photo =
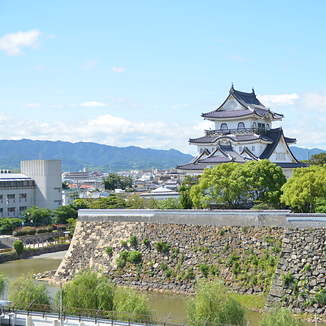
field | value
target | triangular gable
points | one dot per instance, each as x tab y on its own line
246	153
282	152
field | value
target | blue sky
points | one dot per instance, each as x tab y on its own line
141	72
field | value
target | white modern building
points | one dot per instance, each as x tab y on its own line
242	132
160	193
39	184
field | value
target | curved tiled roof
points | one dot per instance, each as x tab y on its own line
250	104
235	138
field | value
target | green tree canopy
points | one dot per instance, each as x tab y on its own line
87	290
235	185
185	198
63	213
25	292
213	305
115	181
317	159
38	216
112	201
305	188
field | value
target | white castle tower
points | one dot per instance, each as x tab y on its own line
243	131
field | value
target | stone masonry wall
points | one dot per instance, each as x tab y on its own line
248	259
300	279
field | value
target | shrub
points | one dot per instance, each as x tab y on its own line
109	251
280	317
214	270
2	284
133	241
7	225
189	274
132	305
121	263
213	305
26	230
24	292
19	247
320	297
87	290
287	279
204	269
146	242
162	247
134	257
124	244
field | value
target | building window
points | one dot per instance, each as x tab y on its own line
22	208
22	197
1	212
11	211
254	125
224	126
11	196
267	126
241	125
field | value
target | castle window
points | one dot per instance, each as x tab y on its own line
254	125
241	125
224	126
267	126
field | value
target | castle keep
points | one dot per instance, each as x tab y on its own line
243	131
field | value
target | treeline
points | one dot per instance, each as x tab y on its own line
91	294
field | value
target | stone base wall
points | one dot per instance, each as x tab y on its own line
301	273
249	259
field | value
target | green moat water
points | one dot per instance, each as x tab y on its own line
170	308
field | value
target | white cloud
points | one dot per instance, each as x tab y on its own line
12	44
33	105
118	69
279	99
93	104
315	100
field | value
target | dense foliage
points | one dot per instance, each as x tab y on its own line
317	159
7	225
87	291
25	292
234	185
115	181
63	213
2	284
38	216
281	317
19	247
185	198
305	189
213	305
90	291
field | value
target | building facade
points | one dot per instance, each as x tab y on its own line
242	132
39	184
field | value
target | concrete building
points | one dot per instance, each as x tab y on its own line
39	184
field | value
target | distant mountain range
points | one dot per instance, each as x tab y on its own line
305	153
76	156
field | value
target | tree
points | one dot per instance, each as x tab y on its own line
305	188
24	293
235	185
80	204
87	290
115	181
213	305
317	159
19	247
112	201
281	317
63	213
185	198
71	225
135	201
131	305
7	225
219	185
264	180
38	216
2	284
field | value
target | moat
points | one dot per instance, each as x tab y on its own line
170	308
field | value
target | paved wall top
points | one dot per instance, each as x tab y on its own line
278	218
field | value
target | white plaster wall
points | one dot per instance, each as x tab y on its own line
231	104
281	153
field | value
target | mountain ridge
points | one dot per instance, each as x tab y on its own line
76	156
